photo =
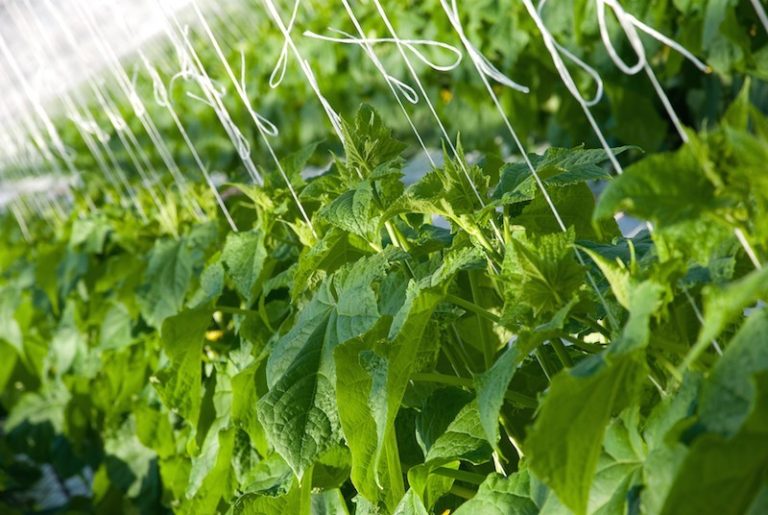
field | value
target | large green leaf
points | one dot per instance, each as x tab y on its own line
563	447
499	495
299	412
729	391
169	274
725	474
179	383
244	254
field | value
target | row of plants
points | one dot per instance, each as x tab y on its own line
414	349
408	347
724	33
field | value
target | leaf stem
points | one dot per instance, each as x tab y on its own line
562	353
460	491
592	348
462	475
236	311
436	377
593	325
489	349
305	501
516	398
544	364
397	486
472	307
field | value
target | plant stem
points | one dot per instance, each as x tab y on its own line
397	487
462	475
592	348
435	377
593	325
562	353
489	349
305	501
516	398
472	307
236	311
544	364
460	491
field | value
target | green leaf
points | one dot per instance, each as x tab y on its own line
499	495
722	474
353	211
541	273
369	144
128	462
115	330
724	304
729	391
299	412
463	439
253	504
211	477
66	344
362	400
557	167
563	447
574	205
10	331
645	300
410	504
169	274
666	188
244	255
91	233
179	383
377	370
211	285
437	413
47	406
244	398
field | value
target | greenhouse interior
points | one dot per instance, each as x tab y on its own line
372	257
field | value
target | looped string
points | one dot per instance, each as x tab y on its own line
411	44
482	63
159	90
629	30
555	50
208	84
408	92
117	121
278	72
88	126
288	43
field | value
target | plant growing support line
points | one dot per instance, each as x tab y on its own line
269	292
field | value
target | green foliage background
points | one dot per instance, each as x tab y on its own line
416	349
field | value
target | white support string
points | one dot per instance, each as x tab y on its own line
192	68
628	23
128	89
565	75
51	130
306	69
82	125
485	72
443	130
258	120
38	148
19	155
393	83
149	177
760	10
162	99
